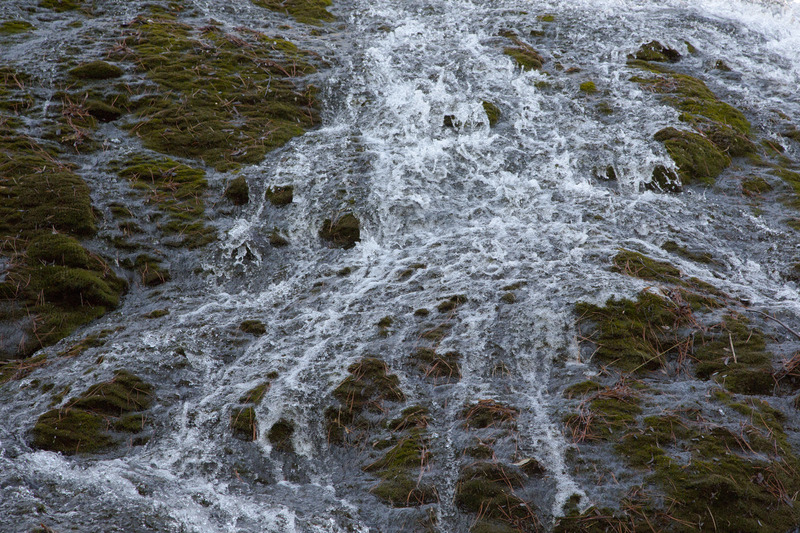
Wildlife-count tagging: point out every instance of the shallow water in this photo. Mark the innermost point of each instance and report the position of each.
(482, 208)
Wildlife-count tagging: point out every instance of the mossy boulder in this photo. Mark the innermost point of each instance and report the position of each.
(280, 435)
(96, 70)
(655, 51)
(280, 196)
(697, 158)
(238, 192)
(525, 56)
(91, 421)
(344, 232)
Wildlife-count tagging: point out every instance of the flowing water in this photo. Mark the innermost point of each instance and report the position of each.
(524, 202)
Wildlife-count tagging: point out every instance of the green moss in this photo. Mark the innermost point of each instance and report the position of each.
(277, 240)
(224, 98)
(280, 435)
(102, 111)
(84, 425)
(588, 87)
(546, 18)
(280, 196)
(451, 303)
(487, 489)
(344, 232)
(238, 191)
(59, 6)
(755, 186)
(151, 271)
(243, 423)
(634, 335)
(697, 158)
(437, 366)
(12, 27)
(509, 298)
(698, 257)
(364, 391)
(96, 70)
(305, 11)
(655, 51)
(492, 113)
(643, 267)
(254, 327)
(156, 313)
(255, 394)
(57, 249)
(177, 190)
(526, 57)
(399, 470)
(583, 388)
(489, 413)
(734, 355)
(414, 417)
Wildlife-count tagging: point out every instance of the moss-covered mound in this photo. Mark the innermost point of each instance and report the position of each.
(98, 418)
(526, 57)
(368, 387)
(12, 27)
(280, 196)
(177, 191)
(655, 51)
(96, 70)
(697, 158)
(238, 191)
(344, 232)
(439, 367)
(305, 11)
(221, 97)
(399, 471)
(55, 284)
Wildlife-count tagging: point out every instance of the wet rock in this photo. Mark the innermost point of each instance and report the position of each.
(344, 232)
(655, 51)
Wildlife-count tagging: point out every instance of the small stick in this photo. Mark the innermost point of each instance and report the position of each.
(793, 332)
(730, 339)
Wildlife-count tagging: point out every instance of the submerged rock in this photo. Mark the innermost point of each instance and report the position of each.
(344, 232)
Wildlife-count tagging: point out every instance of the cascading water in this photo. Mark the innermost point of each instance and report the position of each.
(518, 219)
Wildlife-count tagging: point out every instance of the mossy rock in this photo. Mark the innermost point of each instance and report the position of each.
(238, 192)
(306, 11)
(59, 6)
(102, 111)
(697, 158)
(451, 303)
(13, 27)
(254, 327)
(87, 422)
(588, 87)
(151, 271)
(640, 266)
(655, 51)
(488, 490)
(664, 180)
(280, 196)
(368, 385)
(525, 56)
(96, 70)
(437, 366)
(280, 435)
(243, 423)
(256, 394)
(489, 413)
(344, 232)
(492, 113)
(399, 470)
(57, 249)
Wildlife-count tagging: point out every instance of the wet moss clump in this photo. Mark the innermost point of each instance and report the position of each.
(344, 232)
(635, 335)
(643, 267)
(280, 435)
(224, 98)
(755, 186)
(604, 414)
(13, 27)
(306, 11)
(368, 387)
(400, 469)
(280, 196)
(697, 158)
(526, 57)
(244, 424)
(96, 70)
(439, 367)
(733, 354)
(150, 270)
(90, 422)
(487, 489)
(176, 190)
(489, 413)
(59, 6)
(655, 51)
(254, 327)
(492, 113)
(256, 394)
(698, 257)
(451, 303)
(588, 87)
(238, 191)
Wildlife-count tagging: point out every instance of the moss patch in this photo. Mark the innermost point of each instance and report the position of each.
(254, 327)
(655, 51)
(88, 422)
(280, 196)
(492, 113)
(344, 232)
(697, 158)
(59, 6)
(588, 87)
(399, 470)
(13, 27)
(487, 489)
(305, 11)
(96, 70)
(238, 191)
(244, 424)
(489, 413)
(280, 435)
(176, 190)
(221, 97)
(439, 367)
